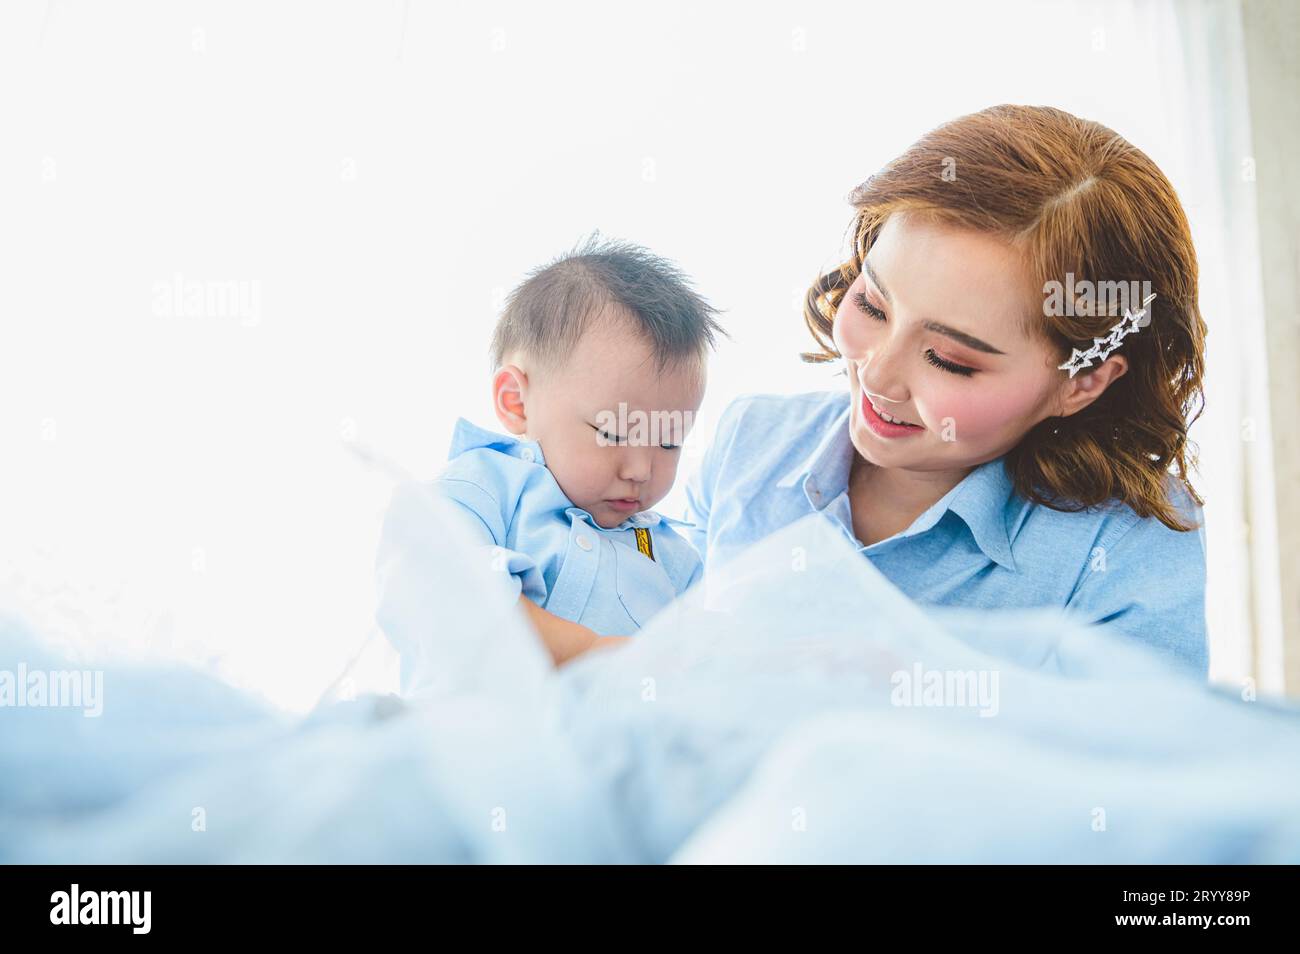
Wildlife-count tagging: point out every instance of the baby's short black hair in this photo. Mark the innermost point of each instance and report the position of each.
(548, 312)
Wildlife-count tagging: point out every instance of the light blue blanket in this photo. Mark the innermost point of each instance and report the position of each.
(793, 707)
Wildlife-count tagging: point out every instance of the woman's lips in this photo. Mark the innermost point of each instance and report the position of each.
(882, 428)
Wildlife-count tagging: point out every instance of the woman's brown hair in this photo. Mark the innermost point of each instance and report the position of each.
(1077, 200)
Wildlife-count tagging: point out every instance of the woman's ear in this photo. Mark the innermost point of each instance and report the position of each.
(1083, 389)
(509, 388)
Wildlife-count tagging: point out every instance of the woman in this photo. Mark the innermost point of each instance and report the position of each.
(1040, 418)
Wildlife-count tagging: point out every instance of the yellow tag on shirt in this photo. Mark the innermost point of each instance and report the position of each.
(643, 542)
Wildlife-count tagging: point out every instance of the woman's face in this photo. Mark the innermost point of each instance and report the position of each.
(931, 334)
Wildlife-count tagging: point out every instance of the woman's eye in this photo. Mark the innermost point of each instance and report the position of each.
(939, 362)
(860, 300)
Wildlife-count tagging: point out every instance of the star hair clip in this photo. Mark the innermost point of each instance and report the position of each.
(1102, 347)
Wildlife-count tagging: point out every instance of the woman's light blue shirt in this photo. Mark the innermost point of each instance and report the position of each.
(776, 458)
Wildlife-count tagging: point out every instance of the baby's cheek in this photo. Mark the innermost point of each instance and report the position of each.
(666, 474)
(592, 470)
(579, 467)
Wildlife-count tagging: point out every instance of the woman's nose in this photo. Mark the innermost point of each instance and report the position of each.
(879, 374)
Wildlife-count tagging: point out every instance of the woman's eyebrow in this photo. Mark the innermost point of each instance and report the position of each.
(875, 279)
(969, 341)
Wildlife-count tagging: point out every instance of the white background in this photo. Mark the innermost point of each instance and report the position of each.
(382, 173)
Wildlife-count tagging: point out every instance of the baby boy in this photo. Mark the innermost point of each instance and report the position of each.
(600, 361)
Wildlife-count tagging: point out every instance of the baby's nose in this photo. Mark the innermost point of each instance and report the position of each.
(635, 465)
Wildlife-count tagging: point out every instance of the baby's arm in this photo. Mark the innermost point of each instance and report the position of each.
(565, 639)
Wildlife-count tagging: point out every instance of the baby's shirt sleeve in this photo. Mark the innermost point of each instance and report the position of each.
(487, 510)
(1147, 582)
(477, 490)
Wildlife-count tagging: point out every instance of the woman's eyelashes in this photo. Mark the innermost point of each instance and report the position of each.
(946, 365)
(860, 300)
(862, 303)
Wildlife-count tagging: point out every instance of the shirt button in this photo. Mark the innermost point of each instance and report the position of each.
(584, 542)
(528, 455)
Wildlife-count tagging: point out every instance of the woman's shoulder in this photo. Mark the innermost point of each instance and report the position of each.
(760, 434)
(1119, 521)
(1114, 537)
(1147, 579)
(1149, 535)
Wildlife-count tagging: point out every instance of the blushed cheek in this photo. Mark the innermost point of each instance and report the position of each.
(847, 341)
(975, 417)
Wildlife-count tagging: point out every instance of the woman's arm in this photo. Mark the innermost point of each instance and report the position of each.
(565, 639)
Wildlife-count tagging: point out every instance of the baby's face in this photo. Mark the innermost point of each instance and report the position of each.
(608, 464)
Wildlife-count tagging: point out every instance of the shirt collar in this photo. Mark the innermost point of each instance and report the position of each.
(987, 501)
(644, 518)
(469, 436)
(985, 498)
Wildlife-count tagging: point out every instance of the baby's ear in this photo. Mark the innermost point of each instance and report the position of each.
(509, 385)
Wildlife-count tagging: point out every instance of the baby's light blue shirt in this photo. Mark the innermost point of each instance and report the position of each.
(556, 553)
(776, 458)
